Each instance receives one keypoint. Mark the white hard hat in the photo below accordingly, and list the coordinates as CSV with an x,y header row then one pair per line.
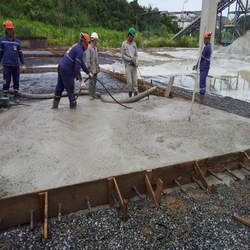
x,y
94,36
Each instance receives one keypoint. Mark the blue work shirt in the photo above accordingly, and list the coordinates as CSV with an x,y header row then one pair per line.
x,y
205,58
10,51
72,61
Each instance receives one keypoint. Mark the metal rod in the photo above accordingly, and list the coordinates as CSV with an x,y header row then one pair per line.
x,y
88,203
215,175
117,204
32,220
199,183
243,166
59,217
137,193
231,173
179,185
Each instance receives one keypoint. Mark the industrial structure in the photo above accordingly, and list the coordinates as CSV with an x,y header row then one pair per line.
x,y
241,7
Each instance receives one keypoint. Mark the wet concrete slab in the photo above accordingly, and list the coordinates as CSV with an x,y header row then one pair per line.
x,y
46,148
46,83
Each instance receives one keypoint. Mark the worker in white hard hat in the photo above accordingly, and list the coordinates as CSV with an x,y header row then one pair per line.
x,y
93,63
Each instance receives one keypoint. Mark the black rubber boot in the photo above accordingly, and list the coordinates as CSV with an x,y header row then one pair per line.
x,y
56,102
73,105
135,94
130,93
15,93
202,98
6,93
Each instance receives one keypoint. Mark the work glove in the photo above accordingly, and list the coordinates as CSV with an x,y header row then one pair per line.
x,y
82,84
23,67
90,75
133,60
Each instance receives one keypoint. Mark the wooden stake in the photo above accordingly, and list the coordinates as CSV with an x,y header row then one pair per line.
x,y
44,208
149,187
113,185
123,203
118,192
159,190
169,87
242,220
201,176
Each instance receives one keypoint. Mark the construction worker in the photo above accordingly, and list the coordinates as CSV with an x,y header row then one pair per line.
x,y
10,51
130,56
92,63
205,63
69,69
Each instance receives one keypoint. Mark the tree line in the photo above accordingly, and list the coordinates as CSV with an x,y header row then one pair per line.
x,y
109,14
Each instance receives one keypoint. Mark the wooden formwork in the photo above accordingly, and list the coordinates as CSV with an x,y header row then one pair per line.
x,y
40,205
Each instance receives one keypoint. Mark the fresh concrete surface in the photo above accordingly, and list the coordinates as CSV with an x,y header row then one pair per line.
x,y
43,148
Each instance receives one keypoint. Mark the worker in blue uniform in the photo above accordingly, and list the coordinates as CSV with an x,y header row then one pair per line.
x,y
205,62
11,52
69,69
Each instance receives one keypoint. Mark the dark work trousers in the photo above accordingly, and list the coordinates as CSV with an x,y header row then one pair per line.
x,y
203,78
65,80
8,72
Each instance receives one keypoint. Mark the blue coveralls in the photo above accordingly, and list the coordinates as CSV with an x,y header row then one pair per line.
x,y
69,68
10,51
204,67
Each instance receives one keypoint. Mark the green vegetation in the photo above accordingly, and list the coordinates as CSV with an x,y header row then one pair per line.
x,y
64,36
62,21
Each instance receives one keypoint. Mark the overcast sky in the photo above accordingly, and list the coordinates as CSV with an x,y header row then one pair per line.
x,y
172,5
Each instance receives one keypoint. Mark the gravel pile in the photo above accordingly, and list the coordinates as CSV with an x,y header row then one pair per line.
x,y
200,221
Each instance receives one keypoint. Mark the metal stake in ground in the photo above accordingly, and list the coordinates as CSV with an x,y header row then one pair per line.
x,y
196,82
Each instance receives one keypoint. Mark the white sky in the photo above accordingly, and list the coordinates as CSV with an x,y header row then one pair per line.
x,y
172,5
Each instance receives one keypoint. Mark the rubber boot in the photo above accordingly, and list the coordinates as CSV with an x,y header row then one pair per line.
x,y
5,93
130,93
73,105
15,98
202,98
56,102
15,93
135,94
